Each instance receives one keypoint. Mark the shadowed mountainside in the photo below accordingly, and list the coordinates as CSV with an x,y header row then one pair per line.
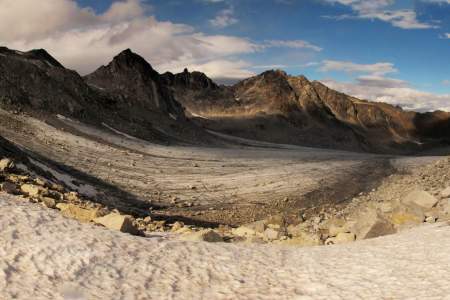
x,y
127,95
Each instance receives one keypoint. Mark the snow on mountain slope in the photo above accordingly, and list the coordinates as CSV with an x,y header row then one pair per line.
x,y
46,256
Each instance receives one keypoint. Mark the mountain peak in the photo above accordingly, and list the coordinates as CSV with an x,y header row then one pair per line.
x,y
35,55
129,59
43,55
274,73
195,80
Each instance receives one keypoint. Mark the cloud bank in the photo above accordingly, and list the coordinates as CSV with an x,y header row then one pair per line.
x,y
378,10
371,83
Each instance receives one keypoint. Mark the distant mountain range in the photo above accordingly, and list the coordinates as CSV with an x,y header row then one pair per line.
x,y
184,108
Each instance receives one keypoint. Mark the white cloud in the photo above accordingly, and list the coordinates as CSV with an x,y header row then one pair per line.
x,y
372,84
377,10
393,91
84,40
438,1
446,82
376,69
223,69
224,18
295,44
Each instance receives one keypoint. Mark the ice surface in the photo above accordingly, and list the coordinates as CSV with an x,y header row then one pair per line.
x,y
46,256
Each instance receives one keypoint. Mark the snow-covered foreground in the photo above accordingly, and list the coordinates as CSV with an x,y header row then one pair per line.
x,y
46,256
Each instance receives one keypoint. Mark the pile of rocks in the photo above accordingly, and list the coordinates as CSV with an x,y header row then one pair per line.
x,y
19,181
400,202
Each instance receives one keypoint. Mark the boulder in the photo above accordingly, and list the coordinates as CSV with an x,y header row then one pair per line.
x,y
32,190
206,235
115,221
10,188
49,202
370,224
6,164
380,227
407,216
420,198
81,214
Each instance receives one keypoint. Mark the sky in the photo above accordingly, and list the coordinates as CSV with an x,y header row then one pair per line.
x,y
395,51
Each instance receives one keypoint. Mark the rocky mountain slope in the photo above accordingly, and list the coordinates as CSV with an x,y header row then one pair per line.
x,y
273,106
127,96
132,80
279,108
36,81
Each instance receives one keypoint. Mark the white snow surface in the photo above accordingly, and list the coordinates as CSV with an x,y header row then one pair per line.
x,y
46,256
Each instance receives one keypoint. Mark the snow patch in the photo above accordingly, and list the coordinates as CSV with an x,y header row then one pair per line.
x,y
83,189
119,132
198,116
46,256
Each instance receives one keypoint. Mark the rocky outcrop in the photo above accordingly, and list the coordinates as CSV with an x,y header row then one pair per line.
x,y
133,81
276,107
193,81
34,80
123,223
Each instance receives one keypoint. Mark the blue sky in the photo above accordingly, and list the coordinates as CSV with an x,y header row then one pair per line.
x,y
421,56
387,50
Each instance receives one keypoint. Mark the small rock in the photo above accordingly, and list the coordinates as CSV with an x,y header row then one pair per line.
x,y
123,223
55,195
206,235
41,182
49,202
430,219
6,164
72,197
17,179
57,187
10,188
271,234
177,226
32,190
